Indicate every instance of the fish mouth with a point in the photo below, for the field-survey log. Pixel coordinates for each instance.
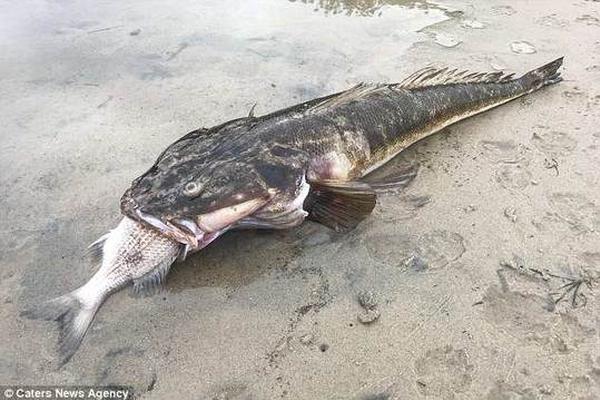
(198, 232)
(182, 230)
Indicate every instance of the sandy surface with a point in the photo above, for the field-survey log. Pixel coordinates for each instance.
(463, 268)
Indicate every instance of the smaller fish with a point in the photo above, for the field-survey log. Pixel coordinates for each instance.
(131, 253)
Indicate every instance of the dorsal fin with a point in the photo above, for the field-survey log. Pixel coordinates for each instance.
(432, 76)
(355, 93)
(428, 76)
(96, 250)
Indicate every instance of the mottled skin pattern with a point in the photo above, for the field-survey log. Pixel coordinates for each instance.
(339, 137)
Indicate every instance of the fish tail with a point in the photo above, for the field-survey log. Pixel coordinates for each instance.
(74, 313)
(543, 76)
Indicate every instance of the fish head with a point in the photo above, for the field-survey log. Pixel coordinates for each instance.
(195, 206)
(196, 201)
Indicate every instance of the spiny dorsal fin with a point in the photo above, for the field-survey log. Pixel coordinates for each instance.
(432, 76)
(357, 92)
(428, 76)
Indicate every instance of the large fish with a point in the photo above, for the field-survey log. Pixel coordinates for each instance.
(312, 160)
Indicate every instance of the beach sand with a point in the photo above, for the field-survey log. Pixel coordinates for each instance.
(478, 281)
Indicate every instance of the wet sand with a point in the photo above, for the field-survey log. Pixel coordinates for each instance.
(479, 281)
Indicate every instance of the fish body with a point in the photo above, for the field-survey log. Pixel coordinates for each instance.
(312, 156)
(314, 160)
(131, 254)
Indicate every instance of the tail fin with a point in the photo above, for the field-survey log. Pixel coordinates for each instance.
(74, 313)
(543, 76)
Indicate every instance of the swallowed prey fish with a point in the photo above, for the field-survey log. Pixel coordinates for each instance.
(313, 160)
(130, 253)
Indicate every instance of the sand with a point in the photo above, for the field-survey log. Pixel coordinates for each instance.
(450, 290)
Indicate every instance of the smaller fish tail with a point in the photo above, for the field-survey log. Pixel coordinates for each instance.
(74, 313)
(543, 76)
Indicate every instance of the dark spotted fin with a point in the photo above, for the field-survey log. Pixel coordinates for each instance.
(428, 76)
(152, 282)
(394, 175)
(432, 76)
(339, 205)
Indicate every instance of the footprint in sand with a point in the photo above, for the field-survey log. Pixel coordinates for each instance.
(514, 177)
(576, 211)
(505, 152)
(553, 143)
(402, 208)
(444, 372)
(525, 316)
(432, 251)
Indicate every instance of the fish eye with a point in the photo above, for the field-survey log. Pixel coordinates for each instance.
(192, 189)
(222, 180)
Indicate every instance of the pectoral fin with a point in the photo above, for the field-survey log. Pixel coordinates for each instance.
(153, 281)
(339, 205)
(394, 175)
